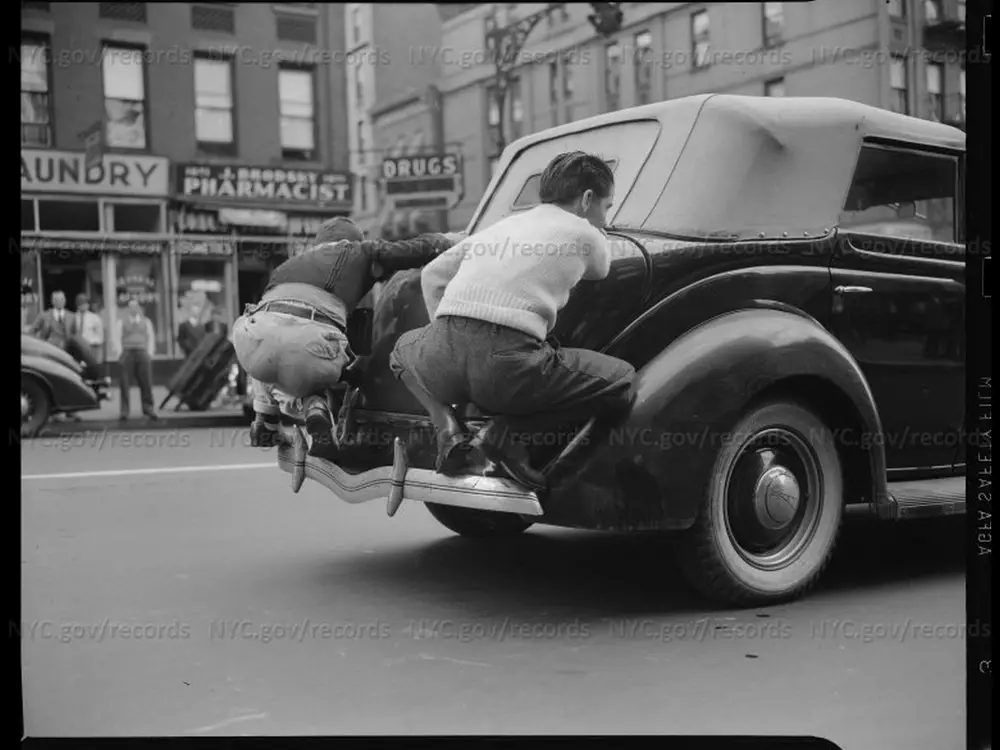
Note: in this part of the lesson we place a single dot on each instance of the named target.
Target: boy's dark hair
(569, 175)
(338, 228)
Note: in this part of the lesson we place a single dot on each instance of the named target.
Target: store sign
(105, 244)
(219, 248)
(250, 218)
(425, 177)
(263, 184)
(44, 171)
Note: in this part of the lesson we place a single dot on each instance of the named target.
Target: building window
(356, 25)
(68, 216)
(961, 93)
(36, 127)
(123, 11)
(932, 10)
(363, 192)
(775, 87)
(554, 90)
(643, 67)
(935, 95)
(298, 125)
(516, 109)
(568, 83)
(135, 217)
(699, 39)
(493, 119)
(897, 8)
(612, 76)
(27, 215)
(900, 101)
(362, 146)
(774, 21)
(124, 97)
(213, 97)
(960, 10)
(359, 89)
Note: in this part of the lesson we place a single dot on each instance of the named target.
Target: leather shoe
(514, 462)
(453, 452)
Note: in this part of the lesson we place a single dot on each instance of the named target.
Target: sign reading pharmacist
(44, 171)
(228, 183)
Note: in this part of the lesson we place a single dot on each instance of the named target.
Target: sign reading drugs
(263, 184)
(416, 167)
(44, 171)
(426, 176)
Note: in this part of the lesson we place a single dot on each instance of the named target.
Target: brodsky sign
(269, 184)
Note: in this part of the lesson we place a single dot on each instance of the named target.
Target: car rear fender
(694, 391)
(65, 387)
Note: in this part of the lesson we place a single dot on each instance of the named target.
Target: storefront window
(142, 276)
(135, 217)
(27, 216)
(30, 297)
(201, 290)
(69, 216)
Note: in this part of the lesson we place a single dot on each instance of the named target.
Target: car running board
(401, 482)
(923, 498)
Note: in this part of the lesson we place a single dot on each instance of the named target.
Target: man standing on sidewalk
(136, 342)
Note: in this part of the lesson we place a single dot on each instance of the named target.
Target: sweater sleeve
(598, 256)
(436, 275)
(402, 255)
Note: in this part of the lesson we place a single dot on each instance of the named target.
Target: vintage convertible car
(52, 382)
(788, 281)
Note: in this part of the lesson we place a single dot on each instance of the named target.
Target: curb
(142, 425)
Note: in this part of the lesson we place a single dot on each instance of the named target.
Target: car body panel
(68, 390)
(726, 251)
(653, 470)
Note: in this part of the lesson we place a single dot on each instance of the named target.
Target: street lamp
(505, 44)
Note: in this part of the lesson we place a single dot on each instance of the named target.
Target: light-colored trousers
(291, 360)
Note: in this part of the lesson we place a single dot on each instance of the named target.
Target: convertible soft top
(740, 167)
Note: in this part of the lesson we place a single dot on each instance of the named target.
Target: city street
(173, 584)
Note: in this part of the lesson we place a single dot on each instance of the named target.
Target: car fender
(655, 466)
(67, 389)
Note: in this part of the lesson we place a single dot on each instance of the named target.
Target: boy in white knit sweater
(493, 301)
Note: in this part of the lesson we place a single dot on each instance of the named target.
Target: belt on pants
(308, 312)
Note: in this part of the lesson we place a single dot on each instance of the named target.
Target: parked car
(788, 282)
(52, 382)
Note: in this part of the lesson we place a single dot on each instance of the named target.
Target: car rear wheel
(35, 407)
(774, 506)
(477, 523)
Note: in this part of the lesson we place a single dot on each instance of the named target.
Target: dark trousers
(532, 384)
(136, 365)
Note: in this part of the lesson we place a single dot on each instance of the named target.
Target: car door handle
(852, 289)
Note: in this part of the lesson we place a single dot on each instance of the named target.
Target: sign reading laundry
(44, 171)
(263, 184)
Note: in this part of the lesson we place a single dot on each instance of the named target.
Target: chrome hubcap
(25, 406)
(773, 494)
(776, 498)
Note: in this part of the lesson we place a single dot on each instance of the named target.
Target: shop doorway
(73, 276)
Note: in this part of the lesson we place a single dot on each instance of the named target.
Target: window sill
(212, 150)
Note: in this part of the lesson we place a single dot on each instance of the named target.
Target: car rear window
(624, 145)
(529, 195)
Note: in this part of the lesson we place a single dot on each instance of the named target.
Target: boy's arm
(437, 274)
(389, 257)
(597, 255)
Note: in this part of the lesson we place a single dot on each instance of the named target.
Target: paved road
(261, 612)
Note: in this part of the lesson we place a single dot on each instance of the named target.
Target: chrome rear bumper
(400, 482)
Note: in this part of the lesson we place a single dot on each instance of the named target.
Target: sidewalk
(106, 418)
